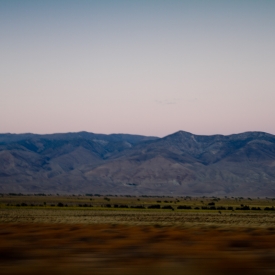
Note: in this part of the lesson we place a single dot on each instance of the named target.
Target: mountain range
(177, 165)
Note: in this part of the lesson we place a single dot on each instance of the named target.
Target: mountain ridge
(180, 163)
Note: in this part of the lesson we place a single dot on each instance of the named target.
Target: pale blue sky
(139, 67)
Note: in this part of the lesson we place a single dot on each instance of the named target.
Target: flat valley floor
(74, 240)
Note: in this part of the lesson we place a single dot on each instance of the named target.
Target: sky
(137, 67)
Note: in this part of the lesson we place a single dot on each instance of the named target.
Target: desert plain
(93, 234)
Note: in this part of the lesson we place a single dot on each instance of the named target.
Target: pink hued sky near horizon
(137, 67)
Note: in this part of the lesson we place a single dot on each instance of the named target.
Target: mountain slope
(180, 164)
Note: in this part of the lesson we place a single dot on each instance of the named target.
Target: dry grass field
(39, 237)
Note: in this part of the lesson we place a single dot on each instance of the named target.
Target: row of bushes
(60, 204)
(155, 206)
(188, 207)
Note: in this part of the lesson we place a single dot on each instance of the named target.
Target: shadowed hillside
(181, 163)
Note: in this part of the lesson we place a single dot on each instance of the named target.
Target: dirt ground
(55, 241)
(134, 217)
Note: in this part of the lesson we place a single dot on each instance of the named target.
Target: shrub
(123, 206)
(245, 207)
(184, 207)
(168, 207)
(138, 206)
(154, 206)
(269, 208)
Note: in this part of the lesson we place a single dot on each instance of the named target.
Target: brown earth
(39, 241)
